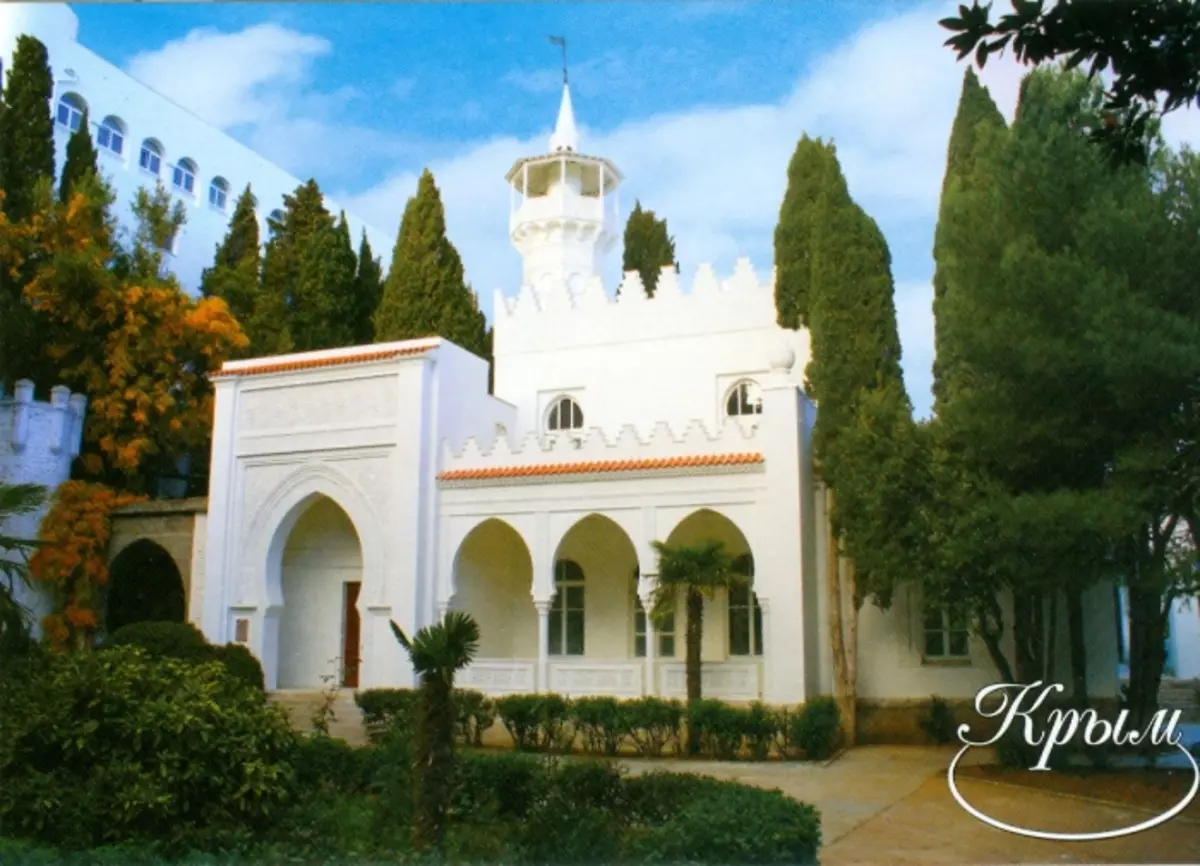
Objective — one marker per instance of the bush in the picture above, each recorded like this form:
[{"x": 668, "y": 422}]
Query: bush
[
  {"x": 938, "y": 723},
  {"x": 762, "y": 729},
  {"x": 497, "y": 786},
  {"x": 387, "y": 709},
  {"x": 173, "y": 640},
  {"x": 536, "y": 721},
  {"x": 118, "y": 746},
  {"x": 816, "y": 727},
  {"x": 604, "y": 724},
  {"x": 654, "y": 724},
  {"x": 719, "y": 727},
  {"x": 730, "y": 823},
  {"x": 242, "y": 664},
  {"x": 476, "y": 713},
  {"x": 326, "y": 762},
  {"x": 581, "y": 818}
]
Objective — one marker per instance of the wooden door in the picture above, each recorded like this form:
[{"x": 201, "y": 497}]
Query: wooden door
[{"x": 351, "y": 637}]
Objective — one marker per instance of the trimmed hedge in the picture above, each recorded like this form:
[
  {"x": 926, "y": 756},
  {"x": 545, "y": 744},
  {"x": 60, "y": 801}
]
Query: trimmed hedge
[
  {"x": 604, "y": 726},
  {"x": 184, "y": 642}
]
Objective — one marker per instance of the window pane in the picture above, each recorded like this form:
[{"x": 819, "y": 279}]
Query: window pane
[
  {"x": 639, "y": 646},
  {"x": 118, "y": 143},
  {"x": 576, "y": 416},
  {"x": 102, "y": 136},
  {"x": 574, "y": 598},
  {"x": 639, "y": 621},
  {"x": 556, "y": 633},
  {"x": 666, "y": 646},
  {"x": 668, "y": 626},
  {"x": 188, "y": 182},
  {"x": 933, "y": 618},
  {"x": 574, "y": 633},
  {"x": 758, "y": 629},
  {"x": 64, "y": 114},
  {"x": 934, "y": 644},
  {"x": 739, "y": 595},
  {"x": 739, "y": 632},
  {"x": 957, "y": 619},
  {"x": 959, "y": 641},
  {"x": 731, "y": 405}
]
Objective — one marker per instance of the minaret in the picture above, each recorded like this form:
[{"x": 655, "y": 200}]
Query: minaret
[{"x": 563, "y": 214}]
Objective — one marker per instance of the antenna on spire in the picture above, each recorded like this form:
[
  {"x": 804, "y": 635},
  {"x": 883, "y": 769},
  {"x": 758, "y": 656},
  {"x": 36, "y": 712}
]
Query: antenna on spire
[{"x": 561, "y": 42}]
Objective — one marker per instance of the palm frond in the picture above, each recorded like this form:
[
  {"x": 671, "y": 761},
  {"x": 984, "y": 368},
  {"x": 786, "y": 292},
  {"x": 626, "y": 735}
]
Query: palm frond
[
  {"x": 16, "y": 499},
  {"x": 443, "y": 647},
  {"x": 704, "y": 567}
]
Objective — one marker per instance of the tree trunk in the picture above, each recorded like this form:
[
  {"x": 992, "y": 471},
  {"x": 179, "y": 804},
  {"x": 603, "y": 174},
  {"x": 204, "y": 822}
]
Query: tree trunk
[
  {"x": 838, "y": 628},
  {"x": 1147, "y": 651},
  {"x": 990, "y": 622},
  {"x": 694, "y": 639},
  {"x": 1029, "y": 634},
  {"x": 1078, "y": 637},
  {"x": 433, "y": 762}
]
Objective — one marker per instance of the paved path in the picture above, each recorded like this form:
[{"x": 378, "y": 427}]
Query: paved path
[{"x": 891, "y": 805}]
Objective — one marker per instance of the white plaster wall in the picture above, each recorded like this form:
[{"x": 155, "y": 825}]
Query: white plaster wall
[
  {"x": 671, "y": 358},
  {"x": 1185, "y": 632},
  {"x": 195, "y": 600},
  {"x": 608, "y": 559},
  {"x": 146, "y": 114},
  {"x": 494, "y": 587},
  {"x": 322, "y": 555}
]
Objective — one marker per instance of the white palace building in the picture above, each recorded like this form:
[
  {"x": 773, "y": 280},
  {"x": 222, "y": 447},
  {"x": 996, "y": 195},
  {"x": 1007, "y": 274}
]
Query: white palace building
[
  {"x": 356, "y": 486},
  {"x": 143, "y": 138}
]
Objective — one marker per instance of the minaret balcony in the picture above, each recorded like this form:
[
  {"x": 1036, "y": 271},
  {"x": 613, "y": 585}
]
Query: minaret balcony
[{"x": 560, "y": 205}]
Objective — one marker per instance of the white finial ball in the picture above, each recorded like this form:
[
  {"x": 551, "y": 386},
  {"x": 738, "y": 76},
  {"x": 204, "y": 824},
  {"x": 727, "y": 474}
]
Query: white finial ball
[{"x": 782, "y": 358}]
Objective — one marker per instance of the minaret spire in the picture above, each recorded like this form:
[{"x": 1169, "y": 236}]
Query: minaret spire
[{"x": 566, "y": 134}]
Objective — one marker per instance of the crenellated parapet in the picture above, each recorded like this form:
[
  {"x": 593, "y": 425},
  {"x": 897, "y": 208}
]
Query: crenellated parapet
[
  {"x": 669, "y": 296},
  {"x": 733, "y": 442},
  {"x": 39, "y": 440}
]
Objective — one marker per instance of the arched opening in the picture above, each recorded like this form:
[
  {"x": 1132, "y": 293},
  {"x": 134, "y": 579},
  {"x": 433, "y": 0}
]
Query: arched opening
[
  {"x": 218, "y": 193},
  {"x": 320, "y": 578},
  {"x": 70, "y": 111},
  {"x": 493, "y": 574},
  {"x": 732, "y": 619},
  {"x": 144, "y": 585},
  {"x": 150, "y": 158},
  {"x": 592, "y": 613},
  {"x": 183, "y": 176},
  {"x": 744, "y": 398},
  {"x": 565, "y": 414}
]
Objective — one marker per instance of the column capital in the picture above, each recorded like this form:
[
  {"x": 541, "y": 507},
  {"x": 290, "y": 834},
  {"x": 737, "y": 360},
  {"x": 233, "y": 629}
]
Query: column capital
[
  {"x": 646, "y": 586},
  {"x": 542, "y": 605}
]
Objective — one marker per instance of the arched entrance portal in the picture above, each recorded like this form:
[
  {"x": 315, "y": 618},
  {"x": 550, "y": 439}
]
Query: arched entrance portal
[
  {"x": 320, "y": 632},
  {"x": 493, "y": 575},
  {"x": 144, "y": 585}
]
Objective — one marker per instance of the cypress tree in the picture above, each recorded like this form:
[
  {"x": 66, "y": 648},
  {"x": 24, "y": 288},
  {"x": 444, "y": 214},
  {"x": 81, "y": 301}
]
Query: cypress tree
[
  {"x": 304, "y": 216},
  {"x": 648, "y": 247},
  {"x": 834, "y": 277},
  {"x": 368, "y": 289},
  {"x": 26, "y": 128},
  {"x": 320, "y": 314},
  {"x": 977, "y": 118},
  {"x": 234, "y": 276},
  {"x": 81, "y": 159},
  {"x": 425, "y": 293}
]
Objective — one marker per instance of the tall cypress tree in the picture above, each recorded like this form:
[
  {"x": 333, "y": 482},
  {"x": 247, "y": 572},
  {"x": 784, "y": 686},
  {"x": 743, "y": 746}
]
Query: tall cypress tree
[
  {"x": 648, "y": 247},
  {"x": 234, "y": 277},
  {"x": 977, "y": 118},
  {"x": 368, "y": 289},
  {"x": 425, "y": 293},
  {"x": 26, "y": 128},
  {"x": 81, "y": 159},
  {"x": 835, "y": 279}
]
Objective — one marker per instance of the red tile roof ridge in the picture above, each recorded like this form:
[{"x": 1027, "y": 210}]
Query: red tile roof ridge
[{"x": 594, "y": 466}]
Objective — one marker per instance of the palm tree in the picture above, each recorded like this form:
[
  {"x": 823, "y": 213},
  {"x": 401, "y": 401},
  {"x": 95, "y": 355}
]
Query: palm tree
[
  {"x": 15, "y": 500},
  {"x": 696, "y": 572},
  {"x": 436, "y": 652}
]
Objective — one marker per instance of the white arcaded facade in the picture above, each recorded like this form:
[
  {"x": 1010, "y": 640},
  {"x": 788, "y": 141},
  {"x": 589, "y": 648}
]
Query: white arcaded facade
[
  {"x": 356, "y": 486},
  {"x": 144, "y": 138}
]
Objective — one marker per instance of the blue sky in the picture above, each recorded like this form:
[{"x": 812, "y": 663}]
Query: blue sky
[{"x": 699, "y": 103}]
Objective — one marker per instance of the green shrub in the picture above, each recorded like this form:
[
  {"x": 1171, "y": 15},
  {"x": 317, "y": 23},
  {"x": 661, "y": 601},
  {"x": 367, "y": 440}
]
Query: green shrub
[
  {"x": 387, "y": 709},
  {"x": 326, "y": 762},
  {"x": 938, "y": 722},
  {"x": 816, "y": 727},
  {"x": 118, "y": 746},
  {"x": 242, "y": 664},
  {"x": 719, "y": 727},
  {"x": 173, "y": 640},
  {"x": 604, "y": 724},
  {"x": 730, "y": 823},
  {"x": 536, "y": 721},
  {"x": 581, "y": 818},
  {"x": 652, "y": 798},
  {"x": 762, "y": 727},
  {"x": 476, "y": 713},
  {"x": 654, "y": 724},
  {"x": 501, "y": 786}
]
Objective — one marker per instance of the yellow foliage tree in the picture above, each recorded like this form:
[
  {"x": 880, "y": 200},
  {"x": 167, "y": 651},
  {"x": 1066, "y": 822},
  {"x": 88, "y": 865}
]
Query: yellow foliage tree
[{"x": 71, "y": 561}]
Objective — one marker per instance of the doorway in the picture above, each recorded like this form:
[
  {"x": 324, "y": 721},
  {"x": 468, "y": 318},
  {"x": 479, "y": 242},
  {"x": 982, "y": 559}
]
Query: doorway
[{"x": 351, "y": 635}]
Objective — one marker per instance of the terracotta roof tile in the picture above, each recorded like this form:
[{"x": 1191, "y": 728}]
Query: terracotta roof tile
[
  {"x": 541, "y": 469},
  {"x": 313, "y": 363}
]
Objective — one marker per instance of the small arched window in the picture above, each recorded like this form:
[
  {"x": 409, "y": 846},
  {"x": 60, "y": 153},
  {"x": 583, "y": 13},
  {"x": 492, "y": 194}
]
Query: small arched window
[
  {"x": 565, "y": 414},
  {"x": 744, "y": 398},
  {"x": 111, "y": 135},
  {"x": 150, "y": 158},
  {"x": 70, "y": 111},
  {"x": 183, "y": 176},
  {"x": 218, "y": 193},
  {"x": 566, "y": 611}
]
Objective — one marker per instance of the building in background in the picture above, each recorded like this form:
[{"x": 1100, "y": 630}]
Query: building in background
[{"x": 144, "y": 138}]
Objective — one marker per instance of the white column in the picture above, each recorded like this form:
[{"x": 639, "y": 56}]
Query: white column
[
  {"x": 525, "y": 181},
  {"x": 764, "y": 682},
  {"x": 543, "y": 665},
  {"x": 646, "y": 586}
]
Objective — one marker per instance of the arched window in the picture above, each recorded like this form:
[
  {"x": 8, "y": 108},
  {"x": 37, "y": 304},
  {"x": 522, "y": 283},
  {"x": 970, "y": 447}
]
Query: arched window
[
  {"x": 183, "y": 176},
  {"x": 218, "y": 193},
  {"x": 565, "y": 414},
  {"x": 70, "y": 111},
  {"x": 745, "y": 616},
  {"x": 566, "y": 611},
  {"x": 744, "y": 398},
  {"x": 150, "y": 158},
  {"x": 111, "y": 135},
  {"x": 665, "y": 631}
]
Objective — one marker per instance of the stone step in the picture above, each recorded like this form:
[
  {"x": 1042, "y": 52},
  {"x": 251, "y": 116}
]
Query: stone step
[{"x": 301, "y": 705}]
